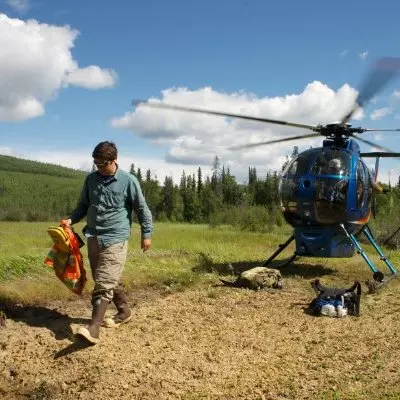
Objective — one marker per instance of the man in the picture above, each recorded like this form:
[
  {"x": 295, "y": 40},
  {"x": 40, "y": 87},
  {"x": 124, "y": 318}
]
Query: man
[{"x": 108, "y": 197}]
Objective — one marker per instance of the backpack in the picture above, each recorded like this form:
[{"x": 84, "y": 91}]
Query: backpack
[
  {"x": 257, "y": 278},
  {"x": 336, "y": 302},
  {"x": 66, "y": 258}
]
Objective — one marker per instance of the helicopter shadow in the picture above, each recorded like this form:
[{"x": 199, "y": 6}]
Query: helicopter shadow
[{"x": 300, "y": 269}]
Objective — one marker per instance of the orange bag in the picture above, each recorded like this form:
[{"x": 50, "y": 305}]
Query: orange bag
[{"x": 66, "y": 258}]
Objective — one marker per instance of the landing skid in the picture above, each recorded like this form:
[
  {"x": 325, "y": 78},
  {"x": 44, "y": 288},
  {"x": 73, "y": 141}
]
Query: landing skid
[
  {"x": 282, "y": 247},
  {"x": 374, "y": 286},
  {"x": 378, "y": 278}
]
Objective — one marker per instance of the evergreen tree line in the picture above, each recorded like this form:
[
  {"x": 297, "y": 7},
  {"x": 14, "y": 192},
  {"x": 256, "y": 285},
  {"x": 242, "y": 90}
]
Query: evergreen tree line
[{"x": 215, "y": 199}]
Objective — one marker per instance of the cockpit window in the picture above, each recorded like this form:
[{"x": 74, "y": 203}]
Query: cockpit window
[
  {"x": 332, "y": 162},
  {"x": 332, "y": 173},
  {"x": 297, "y": 167}
]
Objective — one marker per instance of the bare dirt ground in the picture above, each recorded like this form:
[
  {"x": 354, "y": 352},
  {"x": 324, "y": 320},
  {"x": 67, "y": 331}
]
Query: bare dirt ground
[{"x": 218, "y": 343}]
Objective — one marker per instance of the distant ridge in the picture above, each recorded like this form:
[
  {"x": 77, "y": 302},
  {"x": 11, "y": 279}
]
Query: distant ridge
[
  {"x": 37, "y": 191},
  {"x": 10, "y": 163}
]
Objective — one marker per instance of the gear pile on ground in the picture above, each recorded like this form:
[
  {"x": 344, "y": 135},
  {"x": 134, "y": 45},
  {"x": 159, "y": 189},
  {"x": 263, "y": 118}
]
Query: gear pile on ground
[{"x": 257, "y": 278}]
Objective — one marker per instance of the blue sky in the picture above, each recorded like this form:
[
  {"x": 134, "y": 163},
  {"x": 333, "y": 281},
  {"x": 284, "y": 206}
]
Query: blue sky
[{"x": 70, "y": 70}]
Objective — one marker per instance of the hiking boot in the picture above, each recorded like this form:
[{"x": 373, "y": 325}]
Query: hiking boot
[
  {"x": 124, "y": 314},
  {"x": 91, "y": 332}
]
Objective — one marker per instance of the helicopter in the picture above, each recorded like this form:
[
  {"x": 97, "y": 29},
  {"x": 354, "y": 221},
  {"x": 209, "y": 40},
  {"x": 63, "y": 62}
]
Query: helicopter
[{"x": 327, "y": 193}]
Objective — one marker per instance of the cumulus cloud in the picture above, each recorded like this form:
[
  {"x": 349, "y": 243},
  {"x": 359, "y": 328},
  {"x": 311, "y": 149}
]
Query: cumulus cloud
[
  {"x": 35, "y": 63},
  {"x": 92, "y": 77},
  {"x": 82, "y": 160},
  {"x": 363, "y": 55},
  {"x": 380, "y": 113},
  {"x": 396, "y": 94},
  {"x": 20, "y": 6},
  {"x": 6, "y": 151},
  {"x": 343, "y": 53},
  {"x": 195, "y": 139}
]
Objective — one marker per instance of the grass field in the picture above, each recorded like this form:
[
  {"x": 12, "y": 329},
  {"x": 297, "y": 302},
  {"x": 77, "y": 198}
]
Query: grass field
[
  {"x": 190, "y": 338},
  {"x": 182, "y": 255}
]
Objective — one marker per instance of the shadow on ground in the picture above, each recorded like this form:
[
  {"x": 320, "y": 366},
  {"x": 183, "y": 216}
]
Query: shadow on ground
[
  {"x": 54, "y": 321},
  {"x": 77, "y": 345},
  {"x": 43, "y": 317},
  {"x": 304, "y": 270}
]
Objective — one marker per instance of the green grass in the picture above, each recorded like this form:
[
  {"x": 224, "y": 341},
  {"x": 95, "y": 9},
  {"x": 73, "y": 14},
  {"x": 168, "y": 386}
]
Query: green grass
[{"x": 183, "y": 255}]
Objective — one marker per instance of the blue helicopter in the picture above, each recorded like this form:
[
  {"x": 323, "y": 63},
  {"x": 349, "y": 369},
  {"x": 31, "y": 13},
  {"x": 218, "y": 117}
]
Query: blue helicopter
[{"x": 327, "y": 193}]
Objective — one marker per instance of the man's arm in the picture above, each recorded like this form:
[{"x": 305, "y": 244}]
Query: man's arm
[{"x": 143, "y": 213}]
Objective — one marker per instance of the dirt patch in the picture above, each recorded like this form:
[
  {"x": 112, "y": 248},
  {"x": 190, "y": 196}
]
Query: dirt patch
[{"x": 216, "y": 343}]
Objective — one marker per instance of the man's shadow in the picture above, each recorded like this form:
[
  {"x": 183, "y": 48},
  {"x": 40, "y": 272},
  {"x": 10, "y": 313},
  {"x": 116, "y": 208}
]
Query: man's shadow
[{"x": 56, "y": 322}]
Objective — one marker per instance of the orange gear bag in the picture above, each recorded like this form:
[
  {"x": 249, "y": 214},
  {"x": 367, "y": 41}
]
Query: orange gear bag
[{"x": 66, "y": 258}]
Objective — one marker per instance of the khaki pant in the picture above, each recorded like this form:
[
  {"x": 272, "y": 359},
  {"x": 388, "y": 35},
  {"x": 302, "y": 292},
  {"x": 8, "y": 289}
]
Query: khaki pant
[{"x": 106, "y": 265}]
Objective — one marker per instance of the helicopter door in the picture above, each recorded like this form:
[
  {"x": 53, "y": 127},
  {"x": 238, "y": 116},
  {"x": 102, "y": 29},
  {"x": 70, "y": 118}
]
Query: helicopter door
[{"x": 360, "y": 186}]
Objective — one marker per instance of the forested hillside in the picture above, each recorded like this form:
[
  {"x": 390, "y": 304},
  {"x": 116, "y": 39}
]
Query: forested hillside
[{"x": 34, "y": 191}]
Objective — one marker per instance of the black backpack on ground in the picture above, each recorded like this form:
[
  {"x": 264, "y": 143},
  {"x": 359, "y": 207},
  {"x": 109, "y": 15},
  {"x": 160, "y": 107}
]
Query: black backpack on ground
[{"x": 336, "y": 302}]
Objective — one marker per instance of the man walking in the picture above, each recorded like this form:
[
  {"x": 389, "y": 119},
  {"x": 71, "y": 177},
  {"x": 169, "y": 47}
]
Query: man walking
[{"x": 108, "y": 197}]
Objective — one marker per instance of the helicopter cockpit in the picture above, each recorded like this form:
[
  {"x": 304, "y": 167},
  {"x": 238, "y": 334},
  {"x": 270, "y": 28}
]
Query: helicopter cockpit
[{"x": 315, "y": 187}]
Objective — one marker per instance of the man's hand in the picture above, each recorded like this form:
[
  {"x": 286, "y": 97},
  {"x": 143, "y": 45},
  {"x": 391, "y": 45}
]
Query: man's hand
[
  {"x": 146, "y": 244},
  {"x": 66, "y": 222}
]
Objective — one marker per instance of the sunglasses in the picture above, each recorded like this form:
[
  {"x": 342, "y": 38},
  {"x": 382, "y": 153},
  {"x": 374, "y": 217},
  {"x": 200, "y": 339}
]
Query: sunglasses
[{"x": 101, "y": 163}]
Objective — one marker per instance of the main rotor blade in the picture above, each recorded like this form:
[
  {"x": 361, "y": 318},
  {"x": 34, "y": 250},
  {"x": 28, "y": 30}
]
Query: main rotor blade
[
  {"x": 223, "y": 114},
  {"x": 250, "y": 145},
  {"x": 379, "y": 154},
  {"x": 383, "y": 71},
  {"x": 372, "y": 144},
  {"x": 381, "y": 130}
]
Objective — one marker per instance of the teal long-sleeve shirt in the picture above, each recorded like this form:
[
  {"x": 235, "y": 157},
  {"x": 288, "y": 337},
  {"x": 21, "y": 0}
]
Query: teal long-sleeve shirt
[{"x": 108, "y": 202}]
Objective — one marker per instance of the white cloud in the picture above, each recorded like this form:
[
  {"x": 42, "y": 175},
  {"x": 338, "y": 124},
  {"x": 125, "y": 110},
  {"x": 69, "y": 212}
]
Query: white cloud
[
  {"x": 92, "y": 77},
  {"x": 364, "y": 55},
  {"x": 82, "y": 160},
  {"x": 343, "y": 53},
  {"x": 380, "y": 113},
  {"x": 20, "y": 6},
  {"x": 195, "y": 139},
  {"x": 396, "y": 94},
  {"x": 6, "y": 151},
  {"x": 35, "y": 63}
]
